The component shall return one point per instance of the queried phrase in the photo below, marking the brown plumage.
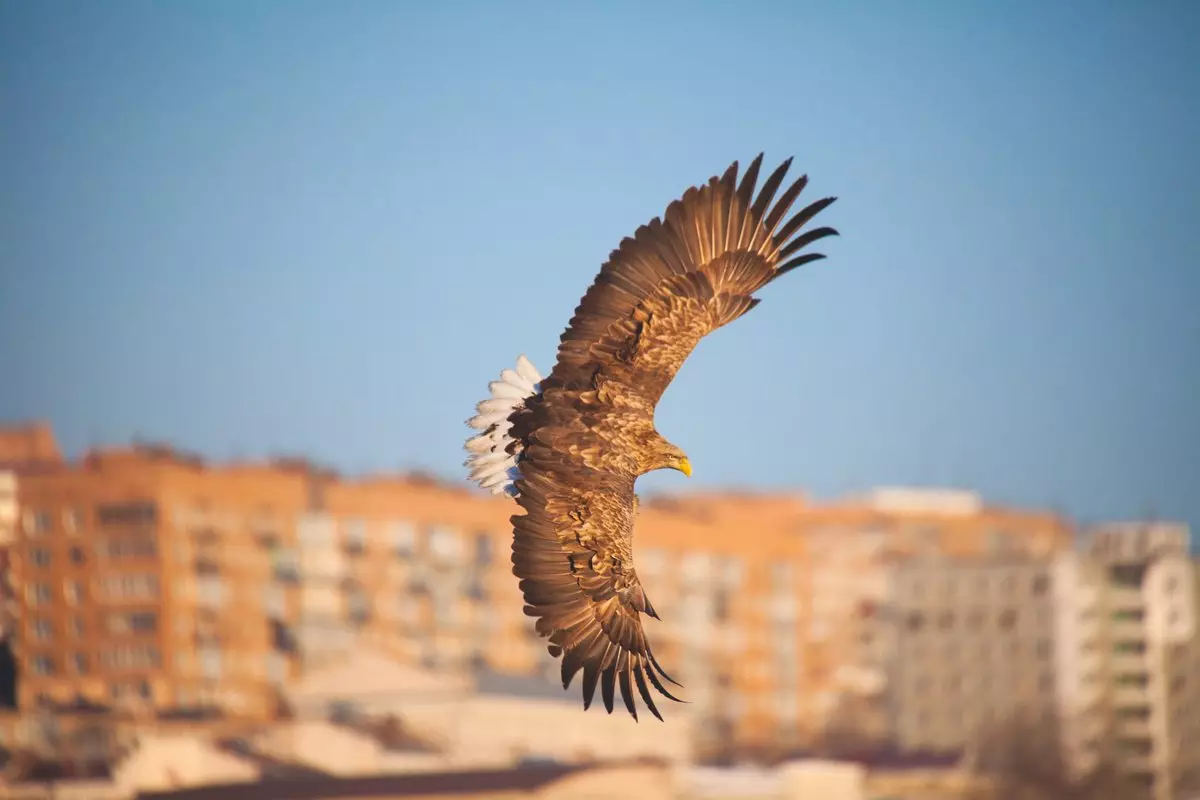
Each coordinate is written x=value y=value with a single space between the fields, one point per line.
x=570 y=448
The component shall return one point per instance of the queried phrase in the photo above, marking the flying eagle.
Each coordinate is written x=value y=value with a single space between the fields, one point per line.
x=569 y=447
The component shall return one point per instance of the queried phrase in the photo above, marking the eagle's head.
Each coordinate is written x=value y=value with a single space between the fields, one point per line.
x=665 y=455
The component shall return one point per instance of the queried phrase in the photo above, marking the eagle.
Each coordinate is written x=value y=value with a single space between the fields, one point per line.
x=569 y=447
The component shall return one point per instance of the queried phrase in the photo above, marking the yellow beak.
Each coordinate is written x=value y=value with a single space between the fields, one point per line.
x=685 y=466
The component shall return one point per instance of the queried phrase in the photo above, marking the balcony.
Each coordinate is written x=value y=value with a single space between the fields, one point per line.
x=1126 y=598
x=1131 y=696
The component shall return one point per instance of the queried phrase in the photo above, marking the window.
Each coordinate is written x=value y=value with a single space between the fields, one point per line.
x=77 y=556
x=72 y=520
x=444 y=543
x=1007 y=619
x=127 y=547
x=131 y=656
x=129 y=587
x=42 y=665
x=916 y=621
x=356 y=536
x=210 y=590
x=77 y=627
x=37 y=594
x=36 y=523
x=1041 y=584
x=79 y=663
x=72 y=592
x=41 y=630
x=404 y=538
x=39 y=556
x=143 y=621
x=136 y=513
x=720 y=600
x=483 y=549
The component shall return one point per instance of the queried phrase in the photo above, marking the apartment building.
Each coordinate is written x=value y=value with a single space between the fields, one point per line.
x=1095 y=651
x=854 y=548
x=971 y=643
x=157 y=582
x=1148 y=590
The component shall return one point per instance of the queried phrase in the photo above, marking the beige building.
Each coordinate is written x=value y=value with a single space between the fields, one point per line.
x=1094 y=651
x=1148 y=595
x=971 y=643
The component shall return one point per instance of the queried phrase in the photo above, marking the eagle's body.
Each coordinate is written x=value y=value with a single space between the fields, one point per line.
x=570 y=447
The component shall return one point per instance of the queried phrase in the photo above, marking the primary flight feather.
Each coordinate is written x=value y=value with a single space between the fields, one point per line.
x=570 y=446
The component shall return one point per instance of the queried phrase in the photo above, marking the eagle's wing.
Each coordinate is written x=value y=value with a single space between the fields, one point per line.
x=659 y=293
x=572 y=552
x=678 y=279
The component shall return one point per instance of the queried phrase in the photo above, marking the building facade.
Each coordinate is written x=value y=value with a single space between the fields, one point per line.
x=1148 y=591
x=157 y=583
x=1094 y=651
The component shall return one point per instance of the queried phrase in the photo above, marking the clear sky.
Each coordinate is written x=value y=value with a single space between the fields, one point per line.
x=323 y=227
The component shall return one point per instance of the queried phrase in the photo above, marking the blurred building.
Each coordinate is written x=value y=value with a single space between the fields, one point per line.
x=854 y=549
x=162 y=585
x=1151 y=653
x=972 y=642
x=1092 y=654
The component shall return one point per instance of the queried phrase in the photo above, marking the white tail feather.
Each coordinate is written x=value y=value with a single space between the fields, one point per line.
x=490 y=464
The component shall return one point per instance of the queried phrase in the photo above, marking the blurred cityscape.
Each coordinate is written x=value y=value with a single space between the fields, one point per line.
x=174 y=628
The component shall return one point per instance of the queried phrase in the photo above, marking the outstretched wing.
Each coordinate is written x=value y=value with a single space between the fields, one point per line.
x=658 y=294
x=572 y=552
x=676 y=279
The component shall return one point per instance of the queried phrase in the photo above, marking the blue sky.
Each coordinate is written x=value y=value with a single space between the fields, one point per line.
x=318 y=227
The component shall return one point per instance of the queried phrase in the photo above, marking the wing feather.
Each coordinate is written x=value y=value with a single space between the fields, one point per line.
x=721 y=229
x=572 y=554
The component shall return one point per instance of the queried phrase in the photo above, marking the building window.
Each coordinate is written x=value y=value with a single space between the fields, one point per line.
x=79 y=663
x=42 y=630
x=133 y=622
x=126 y=547
x=1041 y=584
x=210 y=662
x=42 y=665
x=916 y=621
x=130 y=586
x=210 y=590
x=136 y=513
x=72 y=520
x=444 y=543
x=131 y=656
x=355 y=536
x=1007 y=619
x=483 y=549
x=72 y=592
x=39 y=556
x=77 y=556
x=37 y=594
x=36 y=523
x=404 y=538
x=77 y=627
